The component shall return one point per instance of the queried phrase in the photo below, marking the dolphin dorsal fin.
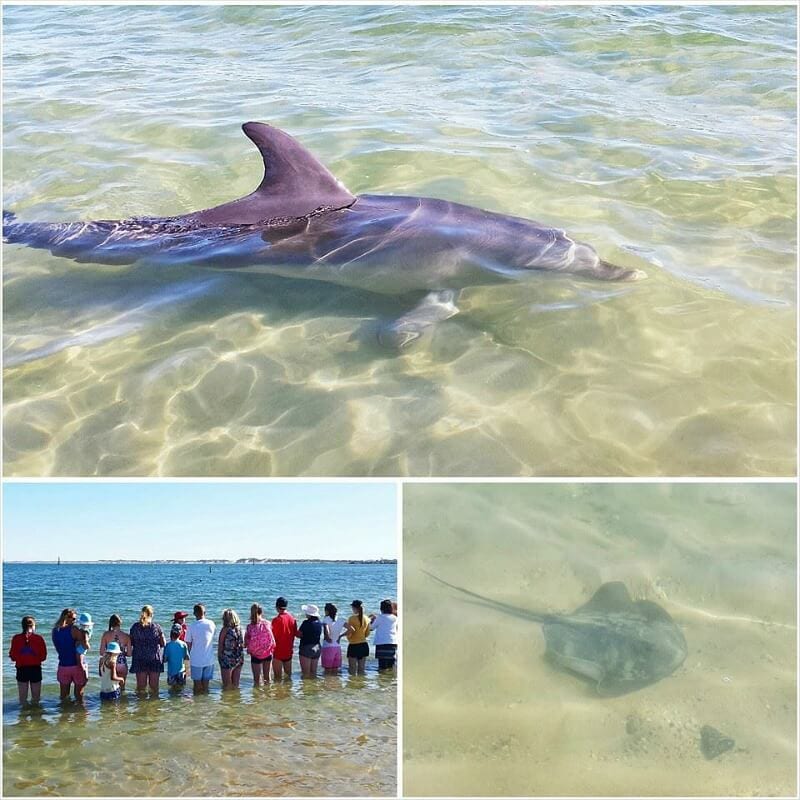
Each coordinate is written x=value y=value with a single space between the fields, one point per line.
x=294 y=184
x=289 y=169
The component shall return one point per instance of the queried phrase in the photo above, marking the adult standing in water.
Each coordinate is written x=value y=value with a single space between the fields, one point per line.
x=200 y=639
x=28 y=651
x=385 y=627
x=357 y=630
x=230 y=649
x=260 y=643
x=284 y=629
x=147 y=642
x=310 y=632
x=71 y=667
x=116 y=634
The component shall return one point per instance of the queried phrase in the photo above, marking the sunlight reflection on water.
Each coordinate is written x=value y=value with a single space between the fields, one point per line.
x=665 y=137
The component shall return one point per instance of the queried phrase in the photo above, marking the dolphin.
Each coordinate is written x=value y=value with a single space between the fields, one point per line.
x=616 y=644
x=301 y=222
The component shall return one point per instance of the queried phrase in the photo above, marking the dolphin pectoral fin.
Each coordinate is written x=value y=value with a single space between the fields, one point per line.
x=611 y=272
x=434 y=307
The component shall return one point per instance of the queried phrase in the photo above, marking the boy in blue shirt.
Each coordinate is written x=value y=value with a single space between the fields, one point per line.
x=175 y=653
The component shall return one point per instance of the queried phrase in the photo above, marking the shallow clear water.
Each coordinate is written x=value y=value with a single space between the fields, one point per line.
x=299 y=738
x=485 y=714
x=665 y=137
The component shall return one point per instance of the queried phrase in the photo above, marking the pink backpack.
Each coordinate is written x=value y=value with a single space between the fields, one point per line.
x=259 y=639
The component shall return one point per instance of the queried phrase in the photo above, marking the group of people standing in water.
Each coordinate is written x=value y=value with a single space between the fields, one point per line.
x=145 y=651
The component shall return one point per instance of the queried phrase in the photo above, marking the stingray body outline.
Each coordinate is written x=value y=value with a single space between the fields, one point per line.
x=616 y=644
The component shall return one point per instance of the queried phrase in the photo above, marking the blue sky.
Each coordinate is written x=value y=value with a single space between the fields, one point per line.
x=97 y=520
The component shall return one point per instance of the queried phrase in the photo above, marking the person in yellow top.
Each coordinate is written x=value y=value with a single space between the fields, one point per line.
x=356 y=630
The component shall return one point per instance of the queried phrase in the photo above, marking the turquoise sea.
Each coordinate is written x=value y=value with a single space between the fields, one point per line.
x=664 y=136
x=298 y=738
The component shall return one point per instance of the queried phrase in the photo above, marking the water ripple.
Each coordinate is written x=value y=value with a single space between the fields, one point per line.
x=665 y=136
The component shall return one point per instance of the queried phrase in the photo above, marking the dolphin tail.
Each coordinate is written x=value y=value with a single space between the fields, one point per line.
x=12 y=228
x=9 y=222
x=34 y=234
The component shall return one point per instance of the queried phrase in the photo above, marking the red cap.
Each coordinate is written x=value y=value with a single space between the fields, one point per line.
x=180 y=615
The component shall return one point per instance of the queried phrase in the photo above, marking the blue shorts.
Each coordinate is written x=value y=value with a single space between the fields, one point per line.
x=203 y=673
x=178 y=679
x=115 y=695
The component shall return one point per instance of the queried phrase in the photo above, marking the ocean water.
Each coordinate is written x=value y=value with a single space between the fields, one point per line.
x=485 y=714
x=665 y=137
x=299 y=738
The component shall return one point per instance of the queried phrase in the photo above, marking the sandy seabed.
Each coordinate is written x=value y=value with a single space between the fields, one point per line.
x=485 y=714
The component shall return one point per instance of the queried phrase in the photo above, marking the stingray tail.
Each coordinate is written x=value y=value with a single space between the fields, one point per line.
x=497 y=605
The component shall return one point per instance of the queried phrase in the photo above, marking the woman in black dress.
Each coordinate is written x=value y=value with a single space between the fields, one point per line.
x=147 y=641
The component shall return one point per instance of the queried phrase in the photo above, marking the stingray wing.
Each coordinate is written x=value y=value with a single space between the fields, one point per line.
x=620 y=644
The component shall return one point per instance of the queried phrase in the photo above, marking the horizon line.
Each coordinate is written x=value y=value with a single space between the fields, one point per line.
x=244 y=560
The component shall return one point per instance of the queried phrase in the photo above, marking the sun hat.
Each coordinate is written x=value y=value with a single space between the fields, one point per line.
x=180 y=615
x=113 y=648
x=85 y=620
x=310 y=609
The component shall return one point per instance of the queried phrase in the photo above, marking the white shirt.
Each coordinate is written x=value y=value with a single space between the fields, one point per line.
x=385 y=627
x=106 y=684
x=200 y=634
x=335 y=626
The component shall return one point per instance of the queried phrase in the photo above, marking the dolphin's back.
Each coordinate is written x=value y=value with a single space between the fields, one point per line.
x=100 y=242
x=302 y=221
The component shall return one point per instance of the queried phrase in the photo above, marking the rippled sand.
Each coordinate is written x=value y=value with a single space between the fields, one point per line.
x=666 y=138
x=484 y=714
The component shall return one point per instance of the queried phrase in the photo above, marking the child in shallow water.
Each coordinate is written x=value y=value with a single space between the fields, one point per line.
x=110 y=682
x=309 y=633
x=332 y=627
x=85 y=624
x=28 y=651
x=259 y=641
x=385 y=627
x=175 y=654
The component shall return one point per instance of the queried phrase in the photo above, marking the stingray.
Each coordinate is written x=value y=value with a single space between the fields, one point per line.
x=615 y=643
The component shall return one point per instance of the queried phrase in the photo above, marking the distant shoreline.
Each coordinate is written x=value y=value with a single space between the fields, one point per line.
x=219 y=561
